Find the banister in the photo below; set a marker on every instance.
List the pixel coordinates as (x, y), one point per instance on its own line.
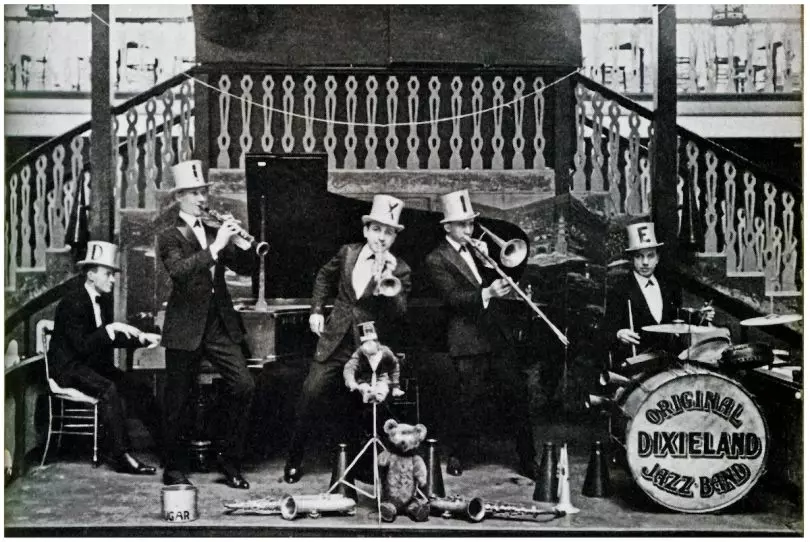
(117, 110)
(40, 302)
(623, 101)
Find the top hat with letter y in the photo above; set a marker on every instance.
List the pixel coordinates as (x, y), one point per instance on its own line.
(457, 207)
(188, 175)
(641, 236)
(385, 210)
(101, 253)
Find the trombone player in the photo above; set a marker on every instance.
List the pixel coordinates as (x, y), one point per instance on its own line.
(369, 283)
(482, 358)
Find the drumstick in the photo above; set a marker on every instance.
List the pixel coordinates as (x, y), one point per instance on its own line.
(630, 316)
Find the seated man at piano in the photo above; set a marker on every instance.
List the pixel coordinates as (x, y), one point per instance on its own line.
(201, 322)
(643, 299)
(480, 352)
(80, 356)
(369, 284)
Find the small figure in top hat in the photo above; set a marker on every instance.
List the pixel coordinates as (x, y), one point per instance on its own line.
(482, 355)
(201, 322)
(353, 276)
(652, 300)
(80, 356)
(372, 357)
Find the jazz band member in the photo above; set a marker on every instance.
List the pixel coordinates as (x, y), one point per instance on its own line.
(480, 353)
(355, 273)
(80, 356)
(201, 322)
(651, 299)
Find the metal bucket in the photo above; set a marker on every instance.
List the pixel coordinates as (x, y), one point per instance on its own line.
(179, 503)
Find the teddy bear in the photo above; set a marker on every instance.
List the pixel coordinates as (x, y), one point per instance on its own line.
(404, 472)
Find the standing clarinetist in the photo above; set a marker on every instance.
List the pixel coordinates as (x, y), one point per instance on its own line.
(201, 321)
(371, 285)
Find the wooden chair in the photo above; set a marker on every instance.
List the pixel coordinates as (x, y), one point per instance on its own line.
(70, 412)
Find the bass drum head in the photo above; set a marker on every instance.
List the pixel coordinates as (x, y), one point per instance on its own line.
(697, 441)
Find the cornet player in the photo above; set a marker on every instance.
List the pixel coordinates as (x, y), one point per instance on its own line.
(482, 357)
(201, 322)
(371, 285)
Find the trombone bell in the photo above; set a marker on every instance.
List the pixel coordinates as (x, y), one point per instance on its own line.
(512, 252)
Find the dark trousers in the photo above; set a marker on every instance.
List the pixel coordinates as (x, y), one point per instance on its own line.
(112, 386)
(182, 367)
(324, 400)
(477, 383)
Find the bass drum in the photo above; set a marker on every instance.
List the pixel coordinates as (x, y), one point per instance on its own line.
(695, 440)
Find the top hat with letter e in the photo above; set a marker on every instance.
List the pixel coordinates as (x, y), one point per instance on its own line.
(641, 236)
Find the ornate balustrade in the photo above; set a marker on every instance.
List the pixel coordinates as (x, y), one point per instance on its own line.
(766, 55)
(44, 185)
(385, 119)
(743, 213)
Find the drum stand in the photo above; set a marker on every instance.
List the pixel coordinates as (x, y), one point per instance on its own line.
(372, 442)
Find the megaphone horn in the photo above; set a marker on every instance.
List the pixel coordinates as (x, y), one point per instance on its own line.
(512, 252)
(597, 401)
(608, 378)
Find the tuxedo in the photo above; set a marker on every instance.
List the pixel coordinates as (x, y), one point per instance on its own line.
(617, 316)
(80, 356)
(483, 359)
(323, 387)
(201, 322)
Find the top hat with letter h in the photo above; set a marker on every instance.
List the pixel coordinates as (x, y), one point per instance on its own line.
(101, 253)
(367, 332)
(385, 210)
(457, 207)
(188, 175)
(641, 236)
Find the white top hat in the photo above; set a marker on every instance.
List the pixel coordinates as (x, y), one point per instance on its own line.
(367, 332)
(101, 253)
(188, 175)
(457, 207)
(385, 210)
(641, 236)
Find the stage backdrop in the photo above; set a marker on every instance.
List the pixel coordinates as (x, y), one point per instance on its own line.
(379, 35)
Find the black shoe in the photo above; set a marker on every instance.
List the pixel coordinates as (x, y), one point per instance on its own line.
(175, 477)
(454, 467)
(233, 478)
(292, 473)
(129, 465)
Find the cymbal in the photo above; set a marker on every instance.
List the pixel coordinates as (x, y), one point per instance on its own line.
(678, 327)
(771, 320)
(706, 350)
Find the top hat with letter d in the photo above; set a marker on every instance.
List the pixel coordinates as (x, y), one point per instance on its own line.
(101, 253)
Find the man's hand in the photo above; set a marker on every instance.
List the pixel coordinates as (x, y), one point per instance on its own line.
(628, 336)
(397, 392)
(316, 324)
(151, 340)
(225, 233)
(708, 313)
(380, 392)
(499, 288)
(126, 329)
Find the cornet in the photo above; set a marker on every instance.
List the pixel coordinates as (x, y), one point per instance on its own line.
(244, 240)
(387, 284)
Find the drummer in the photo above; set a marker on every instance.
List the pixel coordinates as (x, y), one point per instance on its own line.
(641, 299)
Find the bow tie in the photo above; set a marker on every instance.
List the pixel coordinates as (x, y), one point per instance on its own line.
(649, 283)
(462, 249)
(97, 299)
(197, 224)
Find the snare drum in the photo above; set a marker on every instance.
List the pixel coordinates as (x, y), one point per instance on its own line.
(695, 440)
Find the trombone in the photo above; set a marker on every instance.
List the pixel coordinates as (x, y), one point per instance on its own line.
(512, 254)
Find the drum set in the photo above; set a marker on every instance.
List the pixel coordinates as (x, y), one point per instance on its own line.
(695, 439)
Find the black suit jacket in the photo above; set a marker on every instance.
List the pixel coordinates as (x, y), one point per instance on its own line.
(616, 315)
(193, 287)
(471, 329)
(76, 339)
(349, 311)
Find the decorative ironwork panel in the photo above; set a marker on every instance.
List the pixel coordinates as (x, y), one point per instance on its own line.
(329, 140)
(224, 138)
(518, 141)
(288, 108)
(350, 140)
(413, 118)
(497, 118)
(267, 112)
(391, 140)
(371, 116)
(309, 114)
(246, 103)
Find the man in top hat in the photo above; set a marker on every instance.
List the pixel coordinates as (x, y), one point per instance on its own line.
(648, 298)
(201, 322)
(481, 355)
(353, 273)
(80, 356)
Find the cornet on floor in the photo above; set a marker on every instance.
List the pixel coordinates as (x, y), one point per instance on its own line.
(387, 284)
(243, 239)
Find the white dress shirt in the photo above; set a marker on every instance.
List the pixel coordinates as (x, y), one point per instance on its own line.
(652, 293)
(363, 270)
(94, 295)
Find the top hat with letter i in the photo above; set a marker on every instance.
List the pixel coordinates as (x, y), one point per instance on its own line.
(188, 175)
(457, 207)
